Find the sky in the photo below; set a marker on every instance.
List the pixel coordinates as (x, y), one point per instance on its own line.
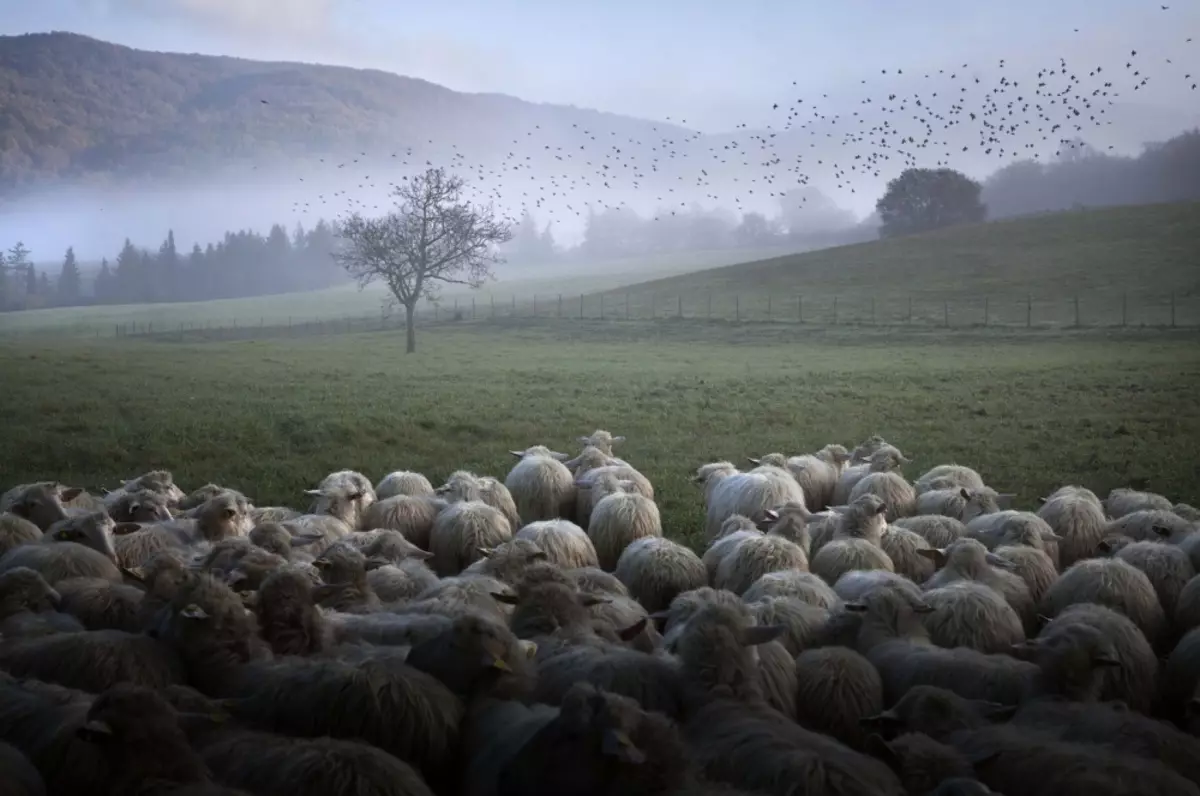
(713, 63)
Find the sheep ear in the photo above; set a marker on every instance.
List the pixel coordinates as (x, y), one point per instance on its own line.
(486, 552)
(71, 492)
(588, 600)
(1004, 500)
(618, 744)
(94, 730)
(995, 711)
(1044, 619)
(193, 611)
(618, 439)
(375, 562)
(634, 630)
(530, 648)
(122, 528)
(507, 599)
(518, 454)
(304, 541)
(935, 555)
(420, 555)
(660, 618)
(1104, 546)
(964, 493)
(1161, 530)
(878, 748)
(1041, 501)
(854, 608)
(540, 555)
(881, 719)
(313, 492)
(771, 514)
(761, 634)
(1026, 646)
(583, 440)
(752, 460)
(998, 561)
(134, 573)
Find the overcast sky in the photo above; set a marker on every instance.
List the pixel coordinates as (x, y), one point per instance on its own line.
(714, 63)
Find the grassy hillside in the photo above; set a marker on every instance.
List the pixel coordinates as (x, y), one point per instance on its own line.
(272, 418)
(1148, 252)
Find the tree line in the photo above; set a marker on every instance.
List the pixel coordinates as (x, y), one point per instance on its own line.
(243, 263)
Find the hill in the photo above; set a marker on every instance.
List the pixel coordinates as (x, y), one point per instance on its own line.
(1147, 252)
(78, 107)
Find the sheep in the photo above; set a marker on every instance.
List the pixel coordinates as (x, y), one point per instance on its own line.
(343, 569)
(1030, 564)
(161, 481)
(883, 460)
(40, 503)
(240, 563)
(92, 660)
(396, 583)
(466, 486)
(968, 559)
(262, 515)
(1167, 567)
(16, 531)
(1150, 526)
(803, 586)
(899, 498)
(688, 604)
(655, 570)
(967, 614)
(197, 496)
(541, 485)
(1180, 681)
(736, 738)
(802, 622)
(1121, 501)
(927, 766)
(837, 688)
(566, 544)
(78, 547)
(461, 531)
(1187, 607)
(597, 581)
(857, 542)
(777, 676)
(287, 617)
(1014, 527)
(388, 545)
(411, 515)
(477, 658)
(453, 596)
(508, 561)
(274, 538)
(789, 521)
(734, 531)
(142, 505)
(939, 531)
(729, 492)
(134, 544)
(21, 777)
(816, 473)
(1114, 584)
(345, 494)
(597, 743)
(265, 763)
(403, 482)
(961, 503)
(904, 548)
(1076, 516)
(101, 604)
(601, 440)
(862, 452)
(28, 607)
(948, 476)
(854, 585)
(1187, 511)
(618, 520)
(755, 556)
(588, 494)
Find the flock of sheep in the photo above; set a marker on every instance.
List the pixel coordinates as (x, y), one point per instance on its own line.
(844, 633)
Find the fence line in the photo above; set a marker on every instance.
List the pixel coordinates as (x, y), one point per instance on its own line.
(1008, 312)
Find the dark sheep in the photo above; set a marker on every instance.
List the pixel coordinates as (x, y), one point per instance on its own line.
(476, 657)
(101, 604)
(42, 720)
(1168, 568)
(777, 676)
(398, 583)
(803, 586)
(18, 775)
(16, 531)
(939, 531)
(274, 765)
(287, 618)
(40, 503)
(343, 568)
(1187, 608)
(1180, 678)
(507, 561)
(1071, 659)
(1114, 584)
(93, 660)
(936, 713)
(836, 689)
(597, 581)
(141, 505)
(926, 766)
(454, 596)
(1134, 682)
(802, 622)
(28, 607)
(58, 560)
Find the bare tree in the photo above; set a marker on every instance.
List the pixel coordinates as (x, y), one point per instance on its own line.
(434, 237)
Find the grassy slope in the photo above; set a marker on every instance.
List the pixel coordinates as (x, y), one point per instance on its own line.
(271, 418)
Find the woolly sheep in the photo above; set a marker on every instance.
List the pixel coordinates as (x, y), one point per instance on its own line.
(343, 569)
(161, 481)
(883, 460)
(464, 486)
(1188, 512)
(101, 604)
(601, 440)
(397, 583)
(733, 532)
(857, 544)
(274, 538)
(817, 473)
(949, 475)
(197, 496)
(461, 531)
(411, 515)
(689, 604)
(15, 531)
(789, 521)
(88, 554)
(899, 498)
(837, 689)
(1075, 515)
(590, 490)
(802, 622)
(566, 544)
(1151, 526)
(134, 544)
(854, 585)
(507, 562)
(1181, 678)
(1032, 566)
(803, 586)
(21, 776)
(755, 556)
(655, 570)
(597, 581)
(541, 485)
(345, 494)
(262, 515)
(142, 505)
(22, 589)
(939, 531)
(961, 503)
(92, 660)
(967, 614)
(1014, 527)
(40, 503)
(1167, 567)
(862, 452)
(927, 766)
(1187, 607)
(618, 520)
(904, 549)
(385, 544)
(729, 492)
(1114, 584)
(1121, 501)
(463, 594)
(403, 482)
(968, 559)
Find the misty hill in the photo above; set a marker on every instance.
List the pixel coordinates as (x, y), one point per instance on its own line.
(77, 107)
(1145, 250)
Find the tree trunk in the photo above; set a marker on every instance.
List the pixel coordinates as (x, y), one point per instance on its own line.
(410, 328)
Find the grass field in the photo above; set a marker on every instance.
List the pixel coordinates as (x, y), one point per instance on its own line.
(1142, 255)
(1030, 411)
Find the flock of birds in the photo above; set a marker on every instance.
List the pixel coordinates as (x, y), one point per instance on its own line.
(994, 111)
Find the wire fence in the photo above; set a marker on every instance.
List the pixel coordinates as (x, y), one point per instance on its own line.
(1094, 311)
